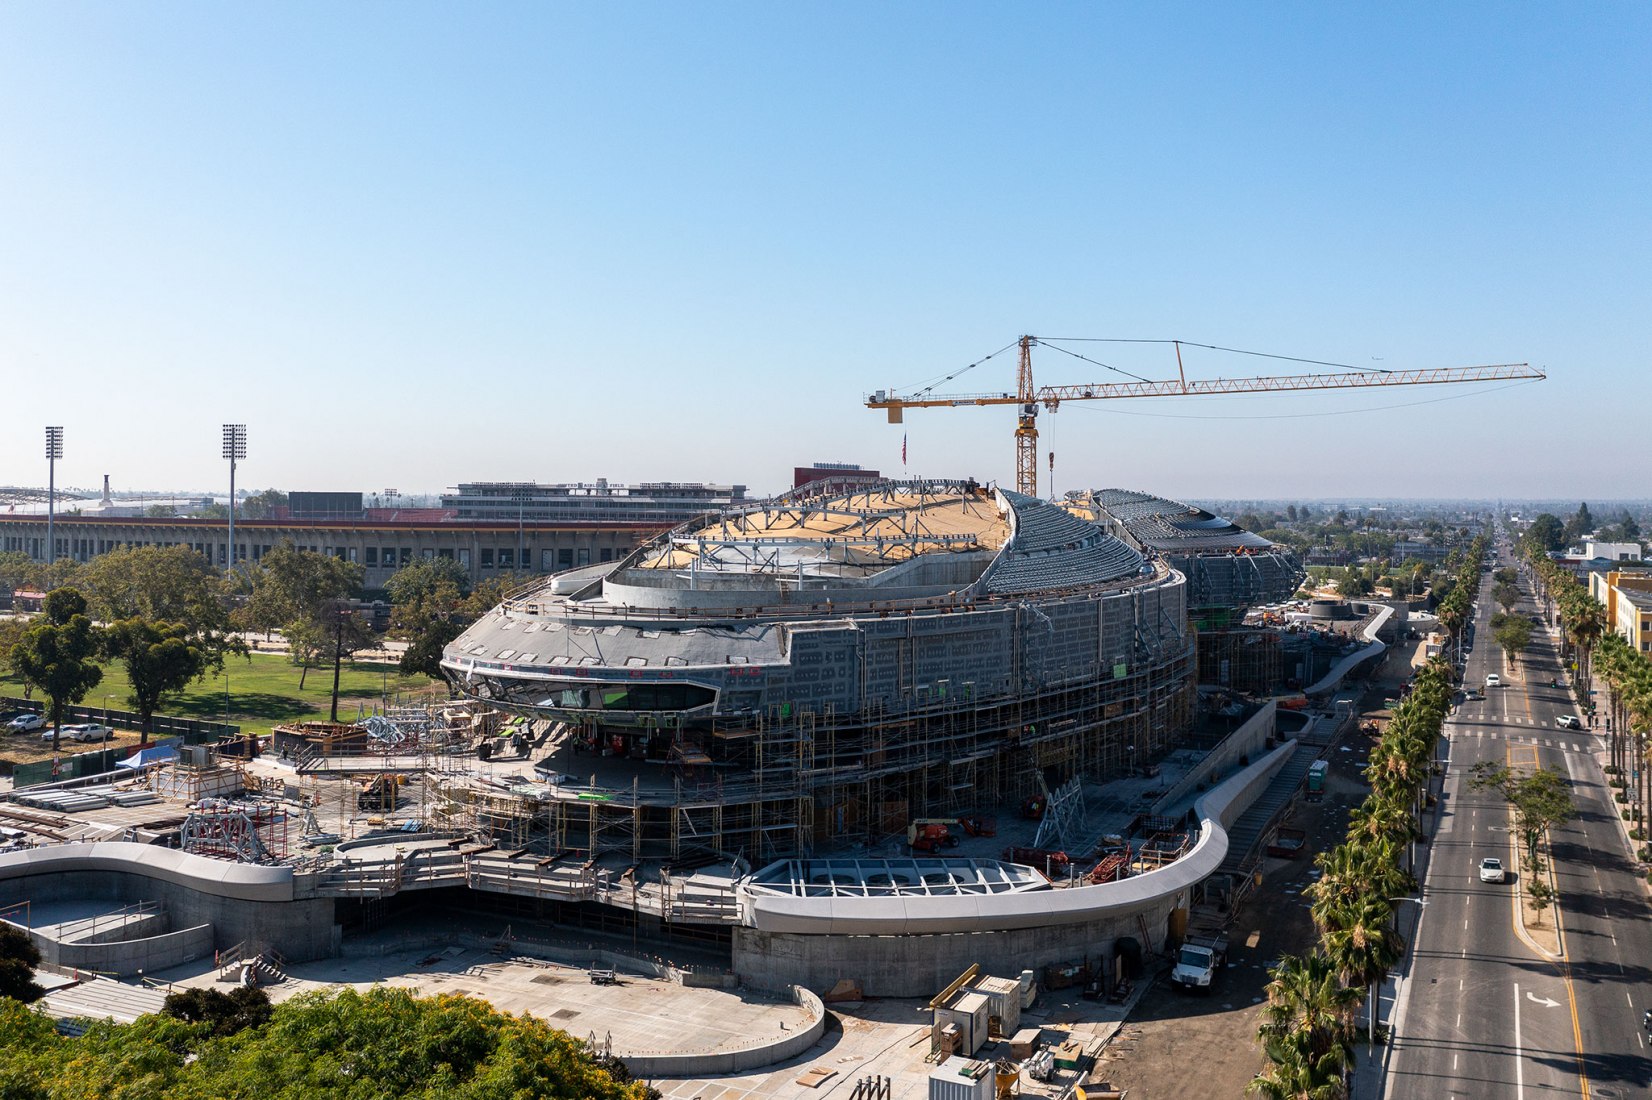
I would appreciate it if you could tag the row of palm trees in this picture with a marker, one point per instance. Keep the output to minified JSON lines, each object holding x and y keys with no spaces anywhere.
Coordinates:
{"x":1626,"y":673}
{"x":1308,"y":1028}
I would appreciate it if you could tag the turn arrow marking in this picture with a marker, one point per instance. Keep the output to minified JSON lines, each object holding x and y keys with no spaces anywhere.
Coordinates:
{"x":1544,"y":1001}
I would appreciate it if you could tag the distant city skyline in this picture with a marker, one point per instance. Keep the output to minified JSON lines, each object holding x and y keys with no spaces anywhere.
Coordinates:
{"x":414,"y":245}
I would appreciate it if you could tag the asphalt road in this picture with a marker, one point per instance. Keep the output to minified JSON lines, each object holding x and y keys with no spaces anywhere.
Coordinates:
{"x":1484,"y":1012}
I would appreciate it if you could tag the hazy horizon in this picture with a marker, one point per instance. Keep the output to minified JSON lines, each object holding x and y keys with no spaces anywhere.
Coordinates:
{"x":423,"y":244}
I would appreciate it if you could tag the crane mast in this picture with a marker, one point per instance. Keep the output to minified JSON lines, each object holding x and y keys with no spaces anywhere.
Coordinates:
{"x":1028,"y":397}
{"x":1026,"y":428}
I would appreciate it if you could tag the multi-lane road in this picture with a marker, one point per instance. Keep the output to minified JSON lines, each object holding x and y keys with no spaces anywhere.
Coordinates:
{"x":1485,"y":1011}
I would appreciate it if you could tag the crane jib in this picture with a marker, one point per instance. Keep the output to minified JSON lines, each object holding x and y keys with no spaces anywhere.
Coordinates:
{"x":1029,"y":397}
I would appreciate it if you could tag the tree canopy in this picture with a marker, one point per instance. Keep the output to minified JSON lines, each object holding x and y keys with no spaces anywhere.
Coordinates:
{"x":57,"y":654}
{"x":1540,"y":799}
{"x":18,"y":958}
{"x":432,"y":603}
{"x":160,"y":658}
{"x":383,"y":1044}
{"x":1546,"y":533}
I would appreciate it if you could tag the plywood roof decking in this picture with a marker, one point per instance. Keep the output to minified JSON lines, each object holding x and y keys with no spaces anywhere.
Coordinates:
{"x":891,"y":526}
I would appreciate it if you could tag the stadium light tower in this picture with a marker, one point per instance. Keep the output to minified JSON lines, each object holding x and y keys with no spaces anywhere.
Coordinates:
{"x":235,"y":449}
{"x":54,"y":451}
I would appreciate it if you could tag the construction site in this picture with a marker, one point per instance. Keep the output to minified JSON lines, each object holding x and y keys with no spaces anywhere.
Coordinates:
{"x":846,"y":742}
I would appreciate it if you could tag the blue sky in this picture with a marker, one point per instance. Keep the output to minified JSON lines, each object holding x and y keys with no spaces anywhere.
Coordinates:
{"x":413,"y":244}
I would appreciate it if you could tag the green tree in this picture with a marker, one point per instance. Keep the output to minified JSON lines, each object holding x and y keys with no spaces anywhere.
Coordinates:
{"x":390,"y":1043}
{"x":1580,"y":524}
{"x":18,"y":958}
{"x":291,"y":585}
{"x":1306,"y":1030}
{"x":432,"y":605}
{"x":385,"y":1044}
{"x":1546,"y":533}
{"x":57,"y":655}
{"x":220,"y":1013}
{"x":160,"y":659}
{"x":1513,"y":634}
{"x":11,"y":632}
{"x":164,"y":584}
{"x":262,"y":505}
{"x":18,"y":570}
{"x":1361,"y":943}
{"x":334,"y":636}
{"x":1540,"y":800}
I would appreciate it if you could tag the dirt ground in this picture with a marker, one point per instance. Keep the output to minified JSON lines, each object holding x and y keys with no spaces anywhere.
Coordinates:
{"x":28,"y":748}
{"x":1176,"y":1044}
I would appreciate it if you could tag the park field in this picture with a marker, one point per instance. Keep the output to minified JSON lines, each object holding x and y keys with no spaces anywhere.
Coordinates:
{"x":262,"y":691}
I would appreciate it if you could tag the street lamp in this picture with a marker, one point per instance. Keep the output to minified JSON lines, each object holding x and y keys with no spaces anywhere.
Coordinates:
{"x":235,"y":449}
{"x":54,"y":451}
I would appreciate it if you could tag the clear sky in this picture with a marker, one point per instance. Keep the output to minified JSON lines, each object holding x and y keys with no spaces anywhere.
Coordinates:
{"x":411,"y":244}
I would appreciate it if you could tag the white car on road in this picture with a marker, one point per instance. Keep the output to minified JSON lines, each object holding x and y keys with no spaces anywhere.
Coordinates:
{"x":1491,"y":869}
{"x":1568,"y":722}
{"x":1493,"y":680}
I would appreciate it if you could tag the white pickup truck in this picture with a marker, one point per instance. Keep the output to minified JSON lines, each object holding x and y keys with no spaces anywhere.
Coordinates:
{"x":1198,"y":960}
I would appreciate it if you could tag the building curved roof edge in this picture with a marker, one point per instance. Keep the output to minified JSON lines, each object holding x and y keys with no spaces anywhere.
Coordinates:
{"x":221,"y":878}
{"x":1216,"y":810}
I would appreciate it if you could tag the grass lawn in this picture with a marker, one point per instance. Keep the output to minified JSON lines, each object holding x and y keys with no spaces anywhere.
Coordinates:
{"x":263,"y":691}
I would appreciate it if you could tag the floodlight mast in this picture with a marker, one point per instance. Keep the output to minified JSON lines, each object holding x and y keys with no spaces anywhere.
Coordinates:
{"x":235,"y":449}
{"x":54,"y":451}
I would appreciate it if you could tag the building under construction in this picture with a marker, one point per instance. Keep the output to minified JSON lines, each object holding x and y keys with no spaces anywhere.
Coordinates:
{"x":823,"y":668}
{"x":1228,"y":568}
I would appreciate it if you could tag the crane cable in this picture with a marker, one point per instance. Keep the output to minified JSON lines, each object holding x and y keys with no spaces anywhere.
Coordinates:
{"x":1097,"y":362}
{"x":1219,"y":347}
{"x":961,"y":370}
{"x":1100,"y":407}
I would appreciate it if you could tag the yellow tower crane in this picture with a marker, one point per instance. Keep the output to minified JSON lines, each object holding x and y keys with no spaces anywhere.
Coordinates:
{"x":1028,"y":397}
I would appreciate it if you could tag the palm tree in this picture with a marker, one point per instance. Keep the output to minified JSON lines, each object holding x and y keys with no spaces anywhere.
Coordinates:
{"x":1364,"y":946}
{"x":1306,"y":1030}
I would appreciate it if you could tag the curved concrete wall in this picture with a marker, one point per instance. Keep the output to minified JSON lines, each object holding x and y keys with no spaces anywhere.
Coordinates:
{"x":261,"y":906}
{"x":1342,"y":668}
{"x":1036,"y":909}
{"x":129,"y":957}
{"x":218,"y":877}
{"x":722,"y":1063}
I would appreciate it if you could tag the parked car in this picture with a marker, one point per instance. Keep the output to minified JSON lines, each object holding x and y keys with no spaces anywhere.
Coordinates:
{"x":88,"y":731}
{"x":1491,"y":869}
{"x":23,"y":723}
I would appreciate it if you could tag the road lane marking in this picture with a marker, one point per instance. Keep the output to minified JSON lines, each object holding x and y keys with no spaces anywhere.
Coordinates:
{"x":1577,"y":1031}
{"x":1519,"y":1055}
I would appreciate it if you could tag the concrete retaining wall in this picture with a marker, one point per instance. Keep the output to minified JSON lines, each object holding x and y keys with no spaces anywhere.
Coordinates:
{"x":916,"y":966}
{"x":1250,"y":739}
{"x":723,"y":1063}
{"x":140,"y":956}
{"x":301,"y":930}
